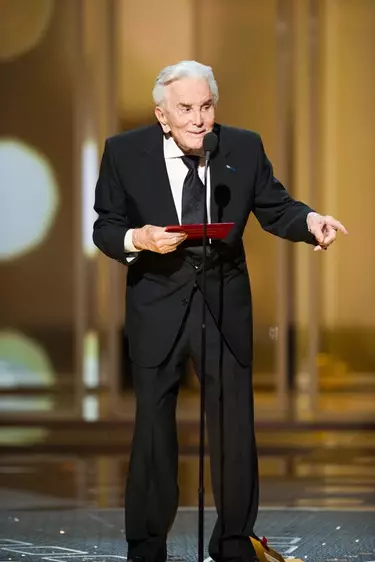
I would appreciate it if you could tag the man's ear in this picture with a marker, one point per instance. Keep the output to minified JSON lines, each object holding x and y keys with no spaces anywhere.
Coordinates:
{"x":160,"y":116}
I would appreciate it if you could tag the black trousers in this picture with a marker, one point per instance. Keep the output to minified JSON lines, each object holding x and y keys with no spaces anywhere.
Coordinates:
{"x":152,"y":493}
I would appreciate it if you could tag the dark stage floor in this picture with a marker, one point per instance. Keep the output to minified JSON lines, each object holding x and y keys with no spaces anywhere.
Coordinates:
{"x":62,"y":487}
{"x":97,"y":535}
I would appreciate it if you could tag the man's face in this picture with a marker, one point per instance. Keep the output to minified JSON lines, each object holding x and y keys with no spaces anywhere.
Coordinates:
{"x":188,"y":112}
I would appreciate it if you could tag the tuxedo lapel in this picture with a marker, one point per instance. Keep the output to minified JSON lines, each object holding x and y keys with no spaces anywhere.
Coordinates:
{"x":155,"y":178}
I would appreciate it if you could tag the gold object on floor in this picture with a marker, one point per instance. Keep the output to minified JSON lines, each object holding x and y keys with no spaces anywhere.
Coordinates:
{"x":267,"y":554}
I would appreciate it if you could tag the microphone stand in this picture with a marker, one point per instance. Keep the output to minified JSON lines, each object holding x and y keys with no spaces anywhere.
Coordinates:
{"x":203,"y":375}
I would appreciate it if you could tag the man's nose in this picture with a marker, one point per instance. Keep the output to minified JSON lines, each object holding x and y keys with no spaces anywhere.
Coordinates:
{"x":197,"y":117}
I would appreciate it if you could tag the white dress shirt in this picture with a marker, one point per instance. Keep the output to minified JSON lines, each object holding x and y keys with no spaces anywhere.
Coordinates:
{"x":177,"y":172}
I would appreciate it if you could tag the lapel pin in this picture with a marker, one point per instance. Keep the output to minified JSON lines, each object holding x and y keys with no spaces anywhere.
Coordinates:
{"x":231,"y":168}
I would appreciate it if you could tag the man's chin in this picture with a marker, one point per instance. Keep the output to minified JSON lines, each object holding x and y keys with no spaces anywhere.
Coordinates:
{"x":191,"y":146}
{"x":195,"y":145}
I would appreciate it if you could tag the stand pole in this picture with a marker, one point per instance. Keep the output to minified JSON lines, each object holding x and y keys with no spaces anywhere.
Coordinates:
{"x":203,"y":378}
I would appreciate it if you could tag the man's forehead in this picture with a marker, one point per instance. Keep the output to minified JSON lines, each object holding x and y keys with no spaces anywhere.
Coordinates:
{"x":189,"y":91}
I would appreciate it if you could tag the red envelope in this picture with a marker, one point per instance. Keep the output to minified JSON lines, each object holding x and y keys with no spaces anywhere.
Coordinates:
{"x":216,"y":230}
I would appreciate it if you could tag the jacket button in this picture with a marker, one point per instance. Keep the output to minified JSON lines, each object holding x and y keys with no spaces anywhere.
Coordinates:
{"x":184,"y":302}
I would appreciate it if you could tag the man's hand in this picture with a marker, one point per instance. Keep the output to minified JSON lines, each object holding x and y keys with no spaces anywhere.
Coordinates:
{"x":156,"y":239}
{"x":324,"y":228}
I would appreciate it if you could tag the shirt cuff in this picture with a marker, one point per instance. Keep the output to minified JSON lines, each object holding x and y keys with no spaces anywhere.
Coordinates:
{"x":128,"y":242}
{"x":307,"y":218}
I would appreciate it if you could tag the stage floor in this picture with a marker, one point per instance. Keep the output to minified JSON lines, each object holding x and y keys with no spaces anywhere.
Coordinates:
{"x":97,"y":535}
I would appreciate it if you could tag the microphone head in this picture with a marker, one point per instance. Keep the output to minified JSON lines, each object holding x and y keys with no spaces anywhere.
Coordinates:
{"x":210,"y":142}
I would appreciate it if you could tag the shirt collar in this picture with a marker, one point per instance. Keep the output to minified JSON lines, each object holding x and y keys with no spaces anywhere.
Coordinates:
{"x":171,"y":149}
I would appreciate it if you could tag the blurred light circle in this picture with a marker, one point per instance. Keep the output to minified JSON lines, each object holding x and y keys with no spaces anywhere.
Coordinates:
{"x":24,"y":363}
{"x":22,"y":25}
{"x":29,"y":198}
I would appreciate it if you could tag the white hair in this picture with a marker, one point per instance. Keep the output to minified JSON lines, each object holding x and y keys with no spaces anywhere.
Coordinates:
{"x":184,"y":69}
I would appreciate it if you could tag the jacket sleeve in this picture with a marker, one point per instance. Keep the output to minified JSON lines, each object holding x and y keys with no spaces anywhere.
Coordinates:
{"x":276,"y":211}
{"x":112,"y":222}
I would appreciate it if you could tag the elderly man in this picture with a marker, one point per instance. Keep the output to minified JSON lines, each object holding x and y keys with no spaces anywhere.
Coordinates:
{"x":150,"y":178}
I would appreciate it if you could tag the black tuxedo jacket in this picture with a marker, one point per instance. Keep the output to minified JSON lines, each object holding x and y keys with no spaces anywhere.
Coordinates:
{"x":133,"y":190}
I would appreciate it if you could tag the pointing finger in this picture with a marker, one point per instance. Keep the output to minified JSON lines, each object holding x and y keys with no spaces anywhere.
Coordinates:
{"x":336,"y":224}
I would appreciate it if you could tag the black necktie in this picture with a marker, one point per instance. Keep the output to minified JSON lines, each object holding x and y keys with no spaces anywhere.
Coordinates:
{"x":192,"y":193}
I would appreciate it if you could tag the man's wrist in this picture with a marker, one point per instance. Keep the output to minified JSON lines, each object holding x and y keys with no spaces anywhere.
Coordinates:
{"x":136,"y":239}
{"x":128,"y":242}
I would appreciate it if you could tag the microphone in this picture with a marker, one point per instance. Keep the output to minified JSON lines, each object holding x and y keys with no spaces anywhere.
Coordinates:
{"x":210,"y":142}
